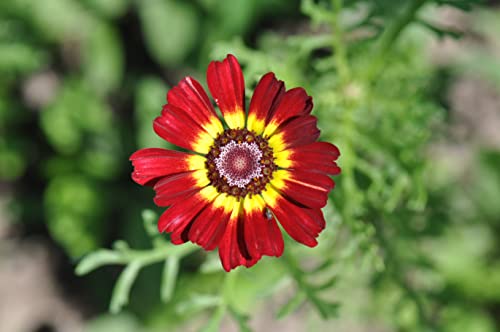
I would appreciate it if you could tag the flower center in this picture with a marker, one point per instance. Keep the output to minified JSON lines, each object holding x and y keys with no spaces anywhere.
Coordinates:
{"x":240,"y":163}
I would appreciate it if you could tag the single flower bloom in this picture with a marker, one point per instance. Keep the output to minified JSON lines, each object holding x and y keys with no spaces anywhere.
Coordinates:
{"x":245,"y":172}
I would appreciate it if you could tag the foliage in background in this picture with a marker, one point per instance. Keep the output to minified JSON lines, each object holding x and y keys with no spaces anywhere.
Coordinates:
{"x":81,"y":82}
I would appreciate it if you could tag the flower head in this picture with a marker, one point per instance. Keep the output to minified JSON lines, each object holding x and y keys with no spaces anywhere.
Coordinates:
{"x":245,"y":173}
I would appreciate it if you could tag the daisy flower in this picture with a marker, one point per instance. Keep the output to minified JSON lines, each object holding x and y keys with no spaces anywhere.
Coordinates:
{"x":244,"y":172}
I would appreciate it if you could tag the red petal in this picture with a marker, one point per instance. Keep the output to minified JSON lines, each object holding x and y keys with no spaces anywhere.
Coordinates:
{"x":301,"y":187}
{"x":266,"y":97}
{"x":296,"y":132}
{"x":295,"y":102}
{"x":210,"y":225}
{"x":177,"y":219}
{"x":315,"y":157}
{"x":262,"y":235}
{"x":173,"y":188}
{"x":190,"y":96}
{"x":226,"y":83}
{"x":179,"y":128}
{"x":232,"y":248}
{"x":153,"y":163}
{"x":302,"y":224}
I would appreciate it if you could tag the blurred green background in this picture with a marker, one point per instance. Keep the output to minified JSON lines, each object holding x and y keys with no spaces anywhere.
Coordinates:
{"x":408,"y":90}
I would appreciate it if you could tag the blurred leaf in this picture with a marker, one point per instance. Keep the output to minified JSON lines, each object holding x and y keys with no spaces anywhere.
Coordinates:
{"x":75,"y":111}
{"x":122,"y":288}
{"x":467,"y":318}
{"x":12,"y":162}
{"x":233,"y":17}
{"x":103,"y":59}
{"x":113,"y":323}
{"x":241,"y":319}
{"x":150,"y":218}
{"x":198,"y":302}
{"x":312,"y":293}
{"x":75,"y":193}
{"x":316,"y":11}
{"x":150,"y":96}
{"x":460,"y":4}
{"x":213,"y":325}
{"x":59,"y":128}
{"x":109,"y":8}
{"x":73,"y":210}
{"x":170,"y":29}
{"x":59,"y":19}
{"x":485,"y":189}
{"x":104,"y":160}
{"x":292,"y":305}
{"x":439,"y":31}
{"x":328,"y":284}
{"x":20,"y":58}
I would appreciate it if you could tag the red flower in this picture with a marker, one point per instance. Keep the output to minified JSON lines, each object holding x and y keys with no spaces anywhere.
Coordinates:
{"x":257,"y":168}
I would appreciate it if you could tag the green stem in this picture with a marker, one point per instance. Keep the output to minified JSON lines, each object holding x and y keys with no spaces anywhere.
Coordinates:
{"x":391,"y":34}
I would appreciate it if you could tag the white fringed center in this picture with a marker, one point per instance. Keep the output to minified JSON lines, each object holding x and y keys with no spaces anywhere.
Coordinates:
{"x":239,"y":163}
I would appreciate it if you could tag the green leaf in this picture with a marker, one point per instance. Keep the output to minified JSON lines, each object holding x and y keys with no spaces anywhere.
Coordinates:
{"x":97,"y":259}
{"x":465,"y":5}
{"x":198,"y":302}
{"x":318,"y":13}
{"x":150,"y":218}
{"x":241,"y":319}
{"x":328,"y":284}
{"x":109,"y":8}
{"x":103,"y":59}
{"x":150,"y":95}
{"x":213,"y":324}
{"x":327,"y":309}
{"x":57,"y":20}
{"x":170,"y":29}
{"x":122,"y":288}
{"x":170,"y":272}
{"x":113,"y":323}
{"x":20,"y":58}
{"x":121,"y":245}
{"x":12,"y":163}
{"x":439,"y":31}
{"x":327,"y":263}
{"x":61,"y":131}
{"x":293,"y":304}
{"x":73,"y":210}
{"x":76,"y":111}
